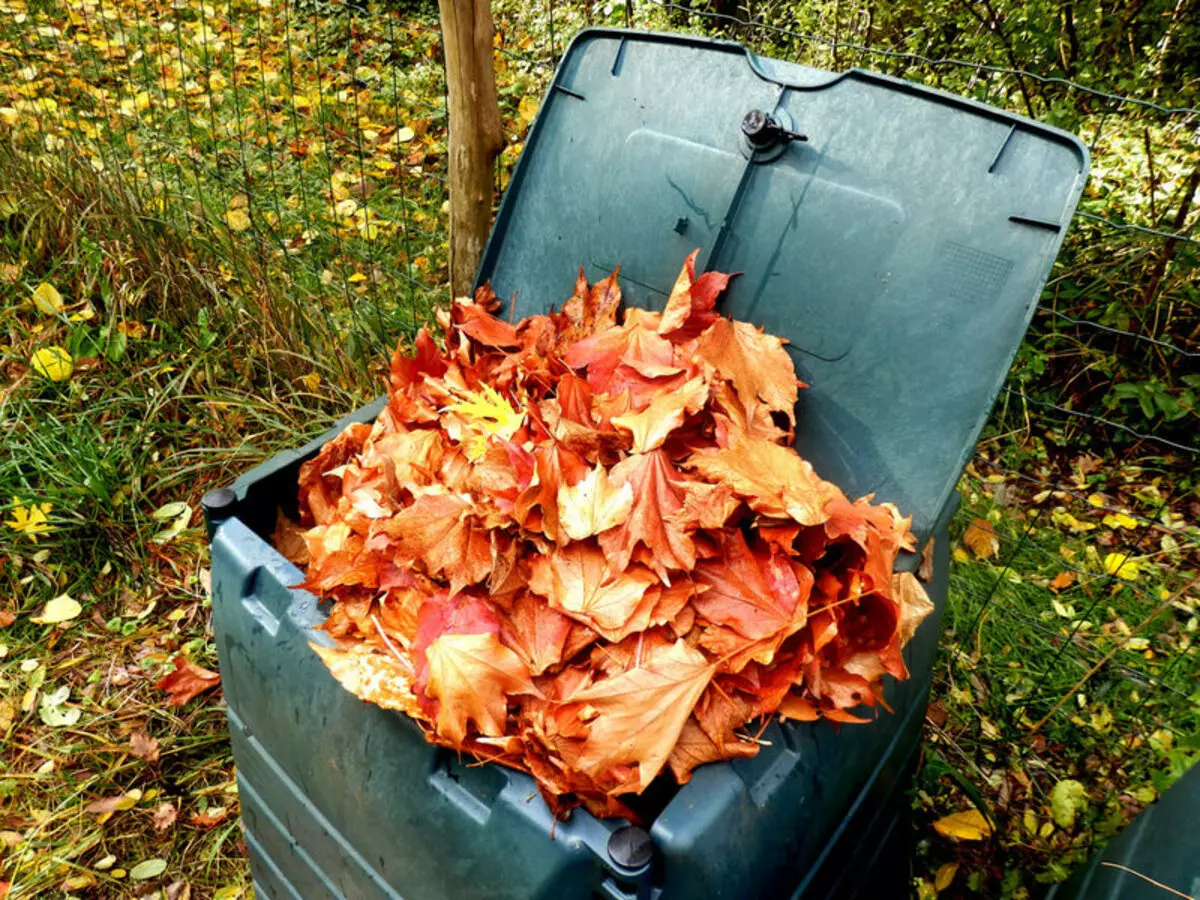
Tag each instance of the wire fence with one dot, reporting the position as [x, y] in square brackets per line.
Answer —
[302, 144]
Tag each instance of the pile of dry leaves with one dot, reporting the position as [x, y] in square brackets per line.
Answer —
[581, 546]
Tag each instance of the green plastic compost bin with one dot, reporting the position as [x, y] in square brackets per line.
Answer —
[899, 238]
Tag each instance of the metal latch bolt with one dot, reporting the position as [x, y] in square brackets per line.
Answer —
[763, 131]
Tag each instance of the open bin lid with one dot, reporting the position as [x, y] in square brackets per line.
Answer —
[901, 248]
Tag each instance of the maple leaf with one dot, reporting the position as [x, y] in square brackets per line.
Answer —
[981, 537]
[636, 718]
[371, 675]
[478, 324]
[593, 505]
[695, 748]
[471, 675]
[488, 410]
[914, 604]
[595, 309]
[187, 682]
[755, 594]
[689, 309]
[578, 580]
[555, 466]
[536, 632]
[653, 521]
[774, 480]
[443, 532]
[143, 746]
[666, 412]
[755, 363]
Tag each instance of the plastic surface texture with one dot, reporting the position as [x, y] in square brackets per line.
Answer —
[1163, 844]
[900, 245]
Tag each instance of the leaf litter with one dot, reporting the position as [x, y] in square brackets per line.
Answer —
[581, 546]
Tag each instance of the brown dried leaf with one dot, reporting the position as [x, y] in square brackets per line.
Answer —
[143, 746]
[982, 539]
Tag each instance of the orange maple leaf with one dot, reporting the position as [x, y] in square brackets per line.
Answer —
[774, 480]
[755, 363]
[187, 682]
[653, 521]
[578, 580]
[472, 675]
[636, 717]
[444, 534]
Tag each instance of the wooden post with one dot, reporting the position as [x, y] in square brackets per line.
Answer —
[476, 136]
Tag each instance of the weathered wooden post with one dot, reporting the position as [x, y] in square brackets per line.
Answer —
[476, 136]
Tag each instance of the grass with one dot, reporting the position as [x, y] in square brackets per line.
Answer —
[242, 212]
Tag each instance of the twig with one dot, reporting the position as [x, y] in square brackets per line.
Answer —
[399, 656]
[1157, 884]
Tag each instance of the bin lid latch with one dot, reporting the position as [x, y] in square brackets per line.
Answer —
[768, 134]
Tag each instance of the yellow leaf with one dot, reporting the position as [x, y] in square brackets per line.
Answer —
[593, 505]
[1096, 500]
[1122, 566]
[527, 109]
[981, 537]
[8, 115]
[404, 135]
[964, 826]
[62, 608]
[31, 520]
[944, 877]
[311, 381]
[490, 410]
[1120, 520]
[47, 299]
[132, 329]
[53, 363]
[237, 220]
[1065, 518]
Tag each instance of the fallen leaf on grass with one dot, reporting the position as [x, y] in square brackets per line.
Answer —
[7, 618]
[104, 808]
[971, 825]
[47, 299]
[177, 515]
[945, 876]
[1122, 566]
[164, 816]
[54, 713]
[213, 816]
[52, 363]
[1066, 799]
[62, 608]
[982, 539]
[147, 869]
[143, 746]
[1062, 581]
[187, 681]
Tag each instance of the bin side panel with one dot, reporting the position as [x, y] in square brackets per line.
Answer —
[348, 800]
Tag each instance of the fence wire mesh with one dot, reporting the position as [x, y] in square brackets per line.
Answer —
[300, 148]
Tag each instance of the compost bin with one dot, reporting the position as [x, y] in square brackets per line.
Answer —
[899, 238]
